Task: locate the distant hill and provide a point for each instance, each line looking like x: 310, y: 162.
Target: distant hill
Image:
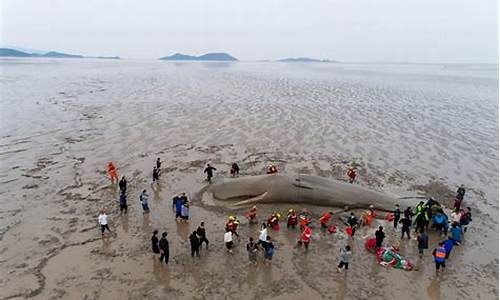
x: 7, y: 52
x: 204, y: 57
x: 58, y: 55
x: 305, y: 59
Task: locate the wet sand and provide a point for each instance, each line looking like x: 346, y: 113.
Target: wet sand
x: 412, y: 130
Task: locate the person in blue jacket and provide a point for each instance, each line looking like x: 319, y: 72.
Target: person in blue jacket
x: 456, y: 233
x: 440, y: 222
x: 448, y: 246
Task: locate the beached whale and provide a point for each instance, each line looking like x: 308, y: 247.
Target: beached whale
x: 301, y: 189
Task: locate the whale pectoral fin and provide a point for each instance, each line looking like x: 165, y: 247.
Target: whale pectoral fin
x: 252, y: 200
x: 302, y: 186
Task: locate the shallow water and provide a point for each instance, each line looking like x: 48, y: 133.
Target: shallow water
x: 430, y: 126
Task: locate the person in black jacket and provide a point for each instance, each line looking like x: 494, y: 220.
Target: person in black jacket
x: 123, y: 185
x: 379, y: 237
x: 210, y: 172
x: 154, y: 242
x: 397, y: 216
x: 200, y: 231
x: 408, y: 213
x: 461, y: 192
x: 423, y: 243
x: 353, y: 223
x: 123, y: 202
x: 406, y: 222
x: 195, y: 244
x: 164, y: 250
x: 235, y: 170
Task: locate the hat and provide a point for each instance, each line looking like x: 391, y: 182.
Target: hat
x: 231, y: 218
x: 290, y: 210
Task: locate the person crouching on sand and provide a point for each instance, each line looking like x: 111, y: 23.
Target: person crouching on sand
x: 228, y: 240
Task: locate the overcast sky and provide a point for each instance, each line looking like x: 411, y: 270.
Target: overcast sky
x: 347, y: 30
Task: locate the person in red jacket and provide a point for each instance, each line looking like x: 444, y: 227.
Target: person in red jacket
x: 305, y: 237
x: 351, y: 173
x: 292, y: 219
x: 324, y: 219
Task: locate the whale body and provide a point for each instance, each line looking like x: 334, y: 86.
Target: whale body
x: 301, y: 189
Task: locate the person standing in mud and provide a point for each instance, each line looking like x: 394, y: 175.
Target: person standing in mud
x: 112, y: 172
x: 423, y: 243
x: 263, y: 234
x: 305, y: 238
x: 268, y: 249
x: 461, y: 192
x: 210, y: 172
x: 123, y: 185
x: 156, y: 175
x: 397, y: 216
x: 466, y: 219
x: 200, y: 231
x: 158, y: 165
x: 406, y: 225
x: 351, y: 173
x: 144, y: 197
x: 408, y: 213
x: 164, y: 249
x: 103, y: 221
x: 177, y: 206
x: 155, y: 242
x: 195, y: 244
x: 439, y: 254
x: 379, y: 237
x: 252, y: 249
x: 235, y: 170
x: 228, y: 240
x: 352, y: 221
x: 345, y: 258
x: 123, y: 202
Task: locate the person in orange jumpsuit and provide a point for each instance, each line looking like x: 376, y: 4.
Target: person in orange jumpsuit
x: 112, y: 172
x: 324, y: 219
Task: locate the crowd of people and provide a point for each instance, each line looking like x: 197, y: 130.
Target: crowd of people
x: 425, y: 216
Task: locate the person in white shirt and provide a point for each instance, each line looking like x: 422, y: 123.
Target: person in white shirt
x: 103, y: 221
x: 262, y: 235
x: 228, y: 239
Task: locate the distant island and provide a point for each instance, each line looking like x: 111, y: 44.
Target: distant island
x: 305, y: 59
x: 204, y: 57
x: 7, y: 52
